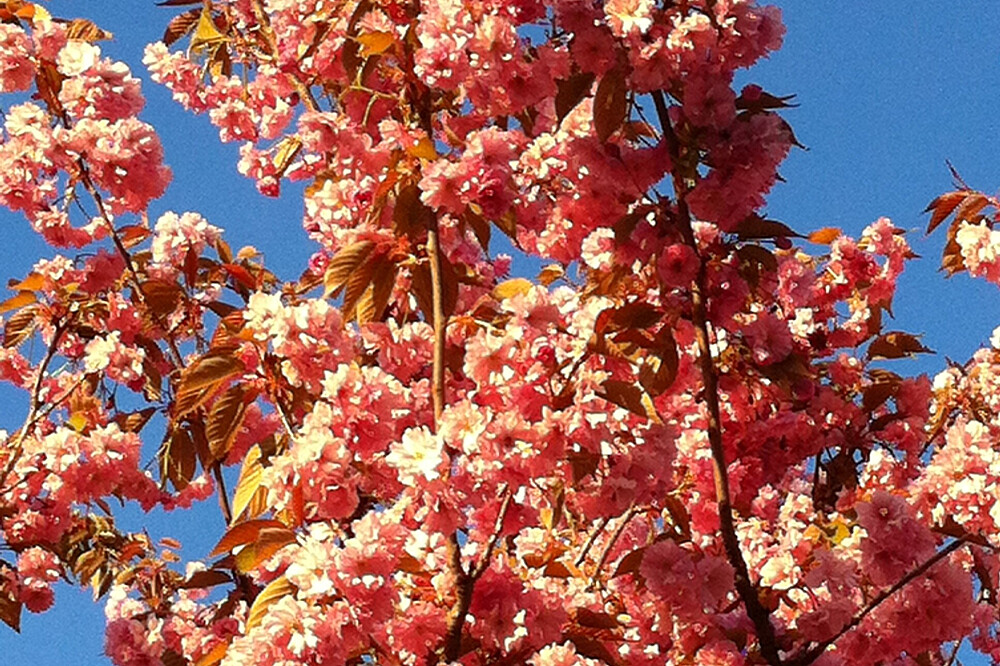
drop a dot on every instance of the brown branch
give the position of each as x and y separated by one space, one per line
88 184
813 653
439 323
606 553
35 404
265 30
602 523
745 587
466 582
220 482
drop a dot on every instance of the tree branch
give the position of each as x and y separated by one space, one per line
813 653
626 519
35 404
439 323
466 582
745 587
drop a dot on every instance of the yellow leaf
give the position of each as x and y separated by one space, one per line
19 301
274 592
33 282
206 35
423 149
512 288
213 656
550 274
374 43
825 236
77 422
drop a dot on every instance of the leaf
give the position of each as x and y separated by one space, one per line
132 235
286 152
20 326
970 207
511 288
213 656
549 274
10 609
251 474
244 533
277 589
86 31
658 371
171 658
226 419
162 296
896 344
200 580
268 542
178 459
610 104
207 373
825 236
18 301
571 92
638 315
374 43
943 207
411 217
630 397
755 227
343 265
206 34
630 563
357 283
181 26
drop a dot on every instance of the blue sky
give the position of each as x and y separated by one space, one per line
888 92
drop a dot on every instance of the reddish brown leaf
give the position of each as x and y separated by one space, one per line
629 396
207 578
895 344
20 326
970 207
755 227
87 31
943 206
226 419
162 296
610 104
244 533
344 264
571 92
207 373
10 610
630 563
178 459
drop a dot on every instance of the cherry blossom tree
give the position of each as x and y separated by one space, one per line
680 443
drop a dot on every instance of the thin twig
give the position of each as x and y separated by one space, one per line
227 511
35 402
745 587
813 653
606 553
601 524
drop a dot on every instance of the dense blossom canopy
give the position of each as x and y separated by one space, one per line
679 444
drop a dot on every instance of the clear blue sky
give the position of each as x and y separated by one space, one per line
888 92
